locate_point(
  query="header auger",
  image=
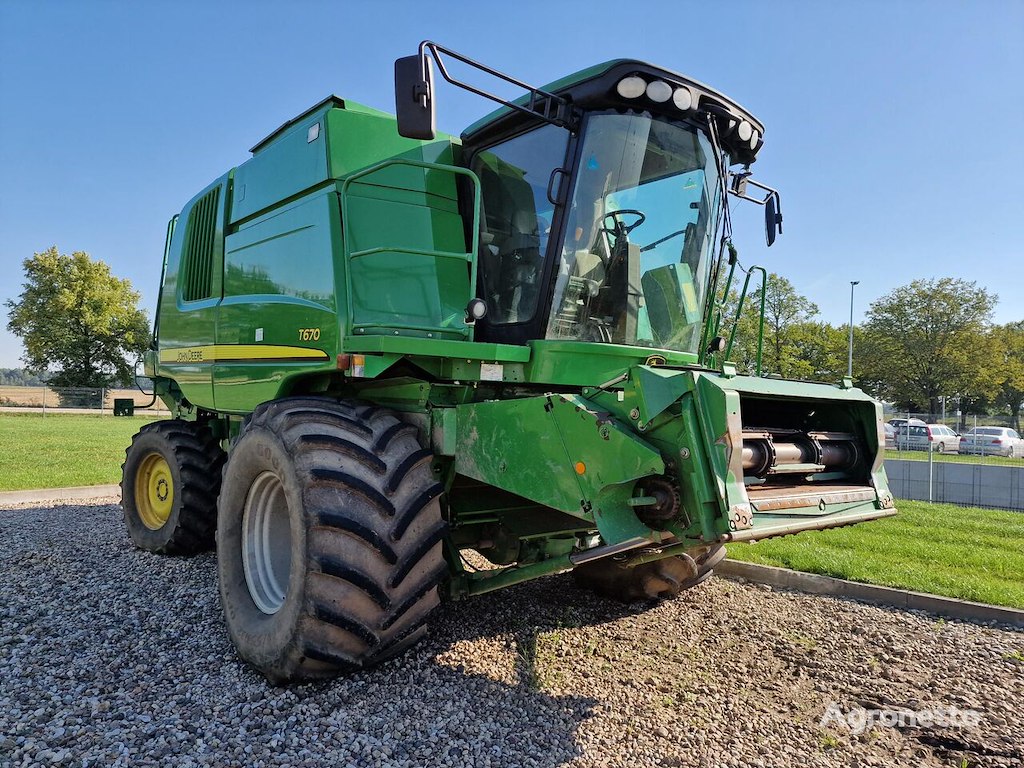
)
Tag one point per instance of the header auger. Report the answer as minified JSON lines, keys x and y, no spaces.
{"x":384,"y":346}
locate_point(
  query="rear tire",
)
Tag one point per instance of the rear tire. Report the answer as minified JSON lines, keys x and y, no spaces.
{"x":329,"y":538}
{"x":169,"y":485}
{"x":656,"y":580}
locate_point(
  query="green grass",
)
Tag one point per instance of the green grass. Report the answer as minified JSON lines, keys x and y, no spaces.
{"x":954,"y":457}
{"x":60,"y":450}
{"x":963,"y":552}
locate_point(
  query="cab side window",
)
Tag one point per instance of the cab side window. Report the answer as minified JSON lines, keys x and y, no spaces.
{"x":516,"y":224}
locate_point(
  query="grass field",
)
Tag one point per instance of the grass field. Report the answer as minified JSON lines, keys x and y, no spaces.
{"x":954,"y":457}
{"x":57,"y":451}
{"x":963,"y":552}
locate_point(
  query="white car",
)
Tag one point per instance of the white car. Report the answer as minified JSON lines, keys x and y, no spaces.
{"x":903,"y":423}
{"x":992,"y":441}
{"x":927,"y":437}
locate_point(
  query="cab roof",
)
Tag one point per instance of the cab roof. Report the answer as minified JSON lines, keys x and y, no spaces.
{"x":595,"y":87}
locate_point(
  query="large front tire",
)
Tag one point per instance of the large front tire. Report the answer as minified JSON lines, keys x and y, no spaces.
{"x":169,"y":485}
{"x":329,"y":538}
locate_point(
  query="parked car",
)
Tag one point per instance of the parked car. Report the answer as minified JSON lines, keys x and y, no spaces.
{"x":992,"y":441}
{"x":897,"y":423}
{"x":890,"y":435}
{"x":927,"y":437}
{"x":943,"y":439}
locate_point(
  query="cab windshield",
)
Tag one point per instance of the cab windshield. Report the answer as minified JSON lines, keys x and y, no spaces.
{"x":639,"y":237}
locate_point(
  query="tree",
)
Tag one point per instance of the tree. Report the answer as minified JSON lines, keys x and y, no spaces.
{"x":822,"y":350}
{"x":796,"y":345}
{"x":78,"y":320}
{"x":19,"y":377}
{"x":928,"y":339}
{"x":1009,"y":339}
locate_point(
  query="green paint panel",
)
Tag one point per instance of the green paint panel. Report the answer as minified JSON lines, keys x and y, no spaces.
{"x":329,"y":141}
{"x":559,"y":452}
{"x":493,"y":439}
{"x":390,"y":286}
{"x":359,"y":139}
{"x":577,"y":363}
{"x":280,"y":289}
{"x":286,"y":253}
{"x":612,"y":458}
{"x":656,"y":388}
{"x":282,"y":168}
{"x":438,"y":348}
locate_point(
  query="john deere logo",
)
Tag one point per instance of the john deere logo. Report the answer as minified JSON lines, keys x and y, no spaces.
{"x":655,"y":360}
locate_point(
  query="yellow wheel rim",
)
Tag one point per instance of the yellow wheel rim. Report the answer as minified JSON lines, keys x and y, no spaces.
{"x":154,"y":491}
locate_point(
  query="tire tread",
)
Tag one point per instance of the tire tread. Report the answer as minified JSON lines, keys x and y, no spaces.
{"x":372,"y":514}
{"x":199,"y":460}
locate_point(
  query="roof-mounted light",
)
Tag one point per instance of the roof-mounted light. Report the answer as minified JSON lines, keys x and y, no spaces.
{"x":755,"y":137}
{"x":659,"y":91}
{"x":631,"y":87}
{"x":682,"y":98}
{"x":745,"y":130}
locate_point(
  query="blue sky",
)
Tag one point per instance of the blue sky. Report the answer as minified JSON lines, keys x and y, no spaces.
{"x":893,"y":128}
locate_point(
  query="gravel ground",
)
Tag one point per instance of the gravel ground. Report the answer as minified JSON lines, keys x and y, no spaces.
{"x":110,"y":656}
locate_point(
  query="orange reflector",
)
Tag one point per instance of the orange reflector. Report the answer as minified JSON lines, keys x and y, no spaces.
{"x":358,"y":365}
{"x":580,"y":467}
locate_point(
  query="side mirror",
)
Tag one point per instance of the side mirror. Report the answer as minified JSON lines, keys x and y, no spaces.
{"x":414,"y":102}
{"x":772,"y":219}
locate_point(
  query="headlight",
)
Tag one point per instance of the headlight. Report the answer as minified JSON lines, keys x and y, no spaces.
{"x":682,"y":98}
{"x":745,"y":130}
{"x":631,"y":87}
{"x":659,"y":91}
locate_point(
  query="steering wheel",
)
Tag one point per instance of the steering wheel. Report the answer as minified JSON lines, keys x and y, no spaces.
{"x":621,"y":228}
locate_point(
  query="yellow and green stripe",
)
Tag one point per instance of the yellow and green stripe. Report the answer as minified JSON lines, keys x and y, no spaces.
{"x":230,"y":353}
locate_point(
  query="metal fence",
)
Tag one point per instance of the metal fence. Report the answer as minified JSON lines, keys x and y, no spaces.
{"x":974,"y":485}
{"x":903,"y":443}
{"x":74,"y":400}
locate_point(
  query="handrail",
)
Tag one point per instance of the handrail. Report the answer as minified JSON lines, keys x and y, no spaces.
{"x":739,"y":311}
{"x":470,"y":257}
{"x":154,"y":338}
{"x":719,"y":303}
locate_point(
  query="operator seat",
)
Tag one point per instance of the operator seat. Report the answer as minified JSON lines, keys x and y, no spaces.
{"x":519,"y":267}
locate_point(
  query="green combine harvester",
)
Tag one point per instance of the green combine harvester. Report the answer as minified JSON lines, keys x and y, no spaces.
{"x":384,"y":346}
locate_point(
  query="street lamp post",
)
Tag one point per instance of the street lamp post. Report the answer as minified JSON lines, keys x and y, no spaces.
{"x":849,"y":359}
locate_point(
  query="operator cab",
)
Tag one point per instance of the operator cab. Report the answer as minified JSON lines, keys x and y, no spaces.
{"x":625,"y":259}
{"x":602,"y":201}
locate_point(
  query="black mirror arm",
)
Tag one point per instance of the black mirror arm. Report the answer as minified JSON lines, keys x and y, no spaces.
{"x":740,"y":181}
{"x":739,"y":189}
{"x":542,"y":104}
